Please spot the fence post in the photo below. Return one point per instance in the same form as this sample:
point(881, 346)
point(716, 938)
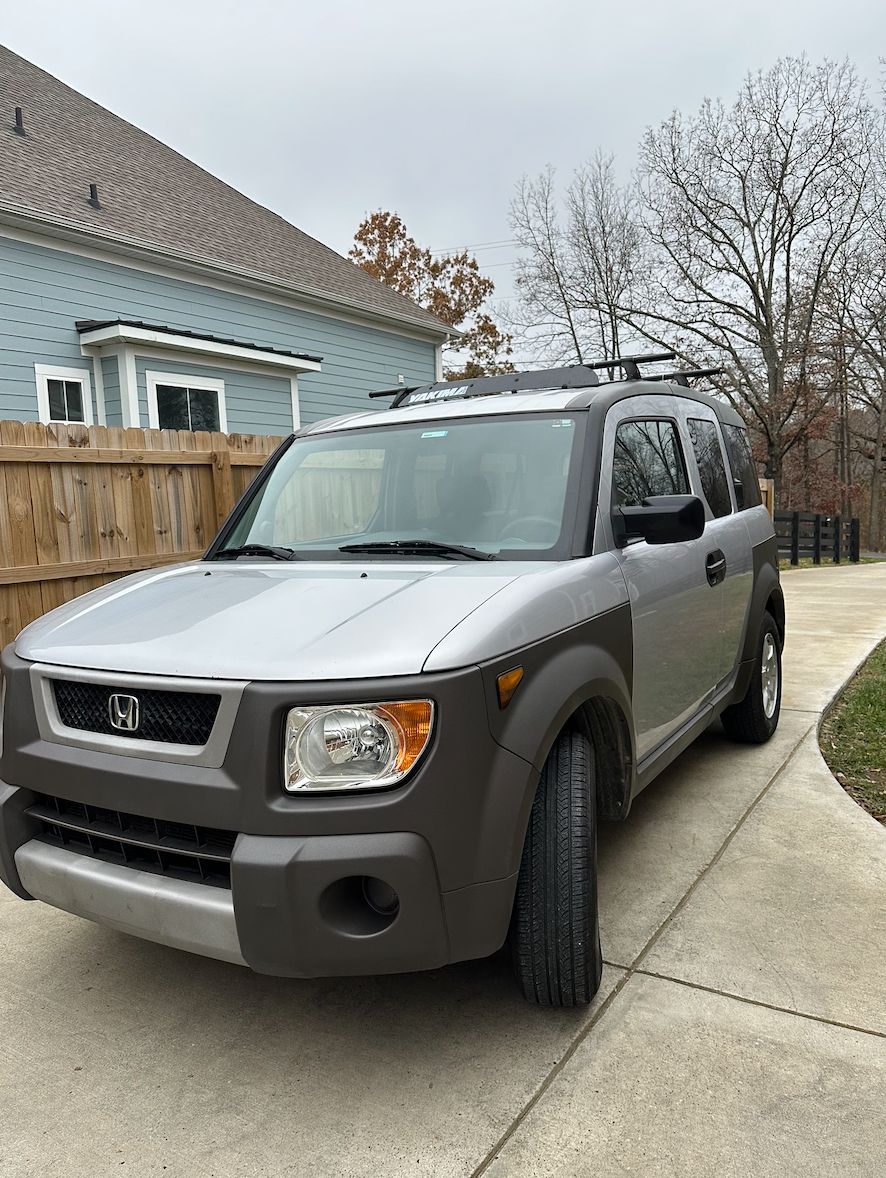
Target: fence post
point(222, 485)
point(816, 541)
point(855, 540)
point(838, 531)
point(795, 537)
point(767, 491)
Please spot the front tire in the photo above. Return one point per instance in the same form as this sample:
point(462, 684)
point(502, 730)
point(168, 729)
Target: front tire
point(555, 934)
point(755, 718)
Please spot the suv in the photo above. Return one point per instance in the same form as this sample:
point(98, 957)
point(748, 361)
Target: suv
point(507, 605)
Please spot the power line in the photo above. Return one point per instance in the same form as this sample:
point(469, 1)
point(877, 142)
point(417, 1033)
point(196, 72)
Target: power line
point(483, 245)
point(480, 245)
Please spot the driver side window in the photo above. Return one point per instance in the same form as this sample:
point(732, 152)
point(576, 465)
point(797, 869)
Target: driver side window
point(648, 460)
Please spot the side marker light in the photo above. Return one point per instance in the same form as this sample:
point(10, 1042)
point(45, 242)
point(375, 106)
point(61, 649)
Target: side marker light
point(507, 683)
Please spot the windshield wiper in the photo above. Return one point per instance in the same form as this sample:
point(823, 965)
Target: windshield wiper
point(255, 550)
point(419, 548)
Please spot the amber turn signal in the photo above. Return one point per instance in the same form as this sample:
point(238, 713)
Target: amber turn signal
point(507, 683)
point(412, 721)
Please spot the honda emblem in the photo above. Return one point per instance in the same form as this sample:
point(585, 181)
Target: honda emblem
point(123, 712)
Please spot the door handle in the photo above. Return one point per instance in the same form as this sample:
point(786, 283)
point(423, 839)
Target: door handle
point(715, 567)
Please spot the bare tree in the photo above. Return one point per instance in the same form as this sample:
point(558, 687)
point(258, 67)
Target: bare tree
point(866, 313)
point(747, 210)
point(576, 265)
point(855, 308)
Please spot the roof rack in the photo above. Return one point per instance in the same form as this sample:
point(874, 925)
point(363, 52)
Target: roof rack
point(684, 377)
point(576, 376)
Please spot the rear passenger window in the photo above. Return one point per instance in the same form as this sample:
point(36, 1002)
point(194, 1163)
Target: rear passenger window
point(744, 470)
point(709, 458)
point(647, 461)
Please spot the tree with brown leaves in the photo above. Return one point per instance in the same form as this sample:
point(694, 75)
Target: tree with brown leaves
point(449, 286)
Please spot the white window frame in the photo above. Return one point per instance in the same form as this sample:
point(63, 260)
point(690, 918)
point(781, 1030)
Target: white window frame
point(43, 373)
point(182, 380)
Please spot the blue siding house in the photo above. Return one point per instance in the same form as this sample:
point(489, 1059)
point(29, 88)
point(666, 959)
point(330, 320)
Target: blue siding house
point(139, 290)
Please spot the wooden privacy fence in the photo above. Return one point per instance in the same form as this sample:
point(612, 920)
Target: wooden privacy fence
point(81, 506)
point(821, 537)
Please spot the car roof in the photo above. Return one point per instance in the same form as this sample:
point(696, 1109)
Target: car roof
point(597, 397)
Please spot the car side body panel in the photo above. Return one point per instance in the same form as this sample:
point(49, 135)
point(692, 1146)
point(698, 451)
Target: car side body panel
point(726, 536)
point(677, 615)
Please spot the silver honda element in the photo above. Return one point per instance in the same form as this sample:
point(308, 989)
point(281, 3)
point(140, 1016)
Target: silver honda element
point(375, 727)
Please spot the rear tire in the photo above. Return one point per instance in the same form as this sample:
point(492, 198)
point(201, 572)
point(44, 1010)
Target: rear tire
point(555, 934)
point(755, 718)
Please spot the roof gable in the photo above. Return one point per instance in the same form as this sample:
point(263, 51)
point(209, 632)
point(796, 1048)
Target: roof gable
point(150, 195)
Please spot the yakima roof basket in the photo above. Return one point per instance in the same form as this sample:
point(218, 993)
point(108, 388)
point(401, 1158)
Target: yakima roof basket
point(576, 376)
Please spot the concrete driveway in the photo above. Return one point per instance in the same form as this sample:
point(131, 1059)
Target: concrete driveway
point(740, 1028)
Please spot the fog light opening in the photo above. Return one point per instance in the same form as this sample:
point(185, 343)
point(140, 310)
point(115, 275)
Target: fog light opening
point(359, 905)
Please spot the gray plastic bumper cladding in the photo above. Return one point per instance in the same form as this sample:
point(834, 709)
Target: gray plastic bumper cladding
point(448, 841)
point(300, 910)
point(172, 911)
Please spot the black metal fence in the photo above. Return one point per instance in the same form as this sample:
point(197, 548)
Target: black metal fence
point(829, 538)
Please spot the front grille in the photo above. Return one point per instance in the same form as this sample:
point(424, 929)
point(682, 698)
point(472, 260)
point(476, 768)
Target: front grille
point(170, 717)
point(179, 849)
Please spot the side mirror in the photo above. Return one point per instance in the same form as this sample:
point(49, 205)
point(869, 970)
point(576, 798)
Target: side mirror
point(660, 519)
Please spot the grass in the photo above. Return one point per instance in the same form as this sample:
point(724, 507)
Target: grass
point(853, 736)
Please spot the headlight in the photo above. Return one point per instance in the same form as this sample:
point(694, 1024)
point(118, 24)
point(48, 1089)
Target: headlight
point(354, 746)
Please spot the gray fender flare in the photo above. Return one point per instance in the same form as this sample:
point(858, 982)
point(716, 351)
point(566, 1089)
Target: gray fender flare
point(767, 592)
point(767, 587)
point(581, 678)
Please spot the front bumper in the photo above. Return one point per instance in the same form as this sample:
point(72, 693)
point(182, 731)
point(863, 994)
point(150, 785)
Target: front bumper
point(448, 841)
point(295, 908)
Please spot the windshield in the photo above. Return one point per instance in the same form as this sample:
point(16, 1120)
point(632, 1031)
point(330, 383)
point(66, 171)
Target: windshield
point(502, 485)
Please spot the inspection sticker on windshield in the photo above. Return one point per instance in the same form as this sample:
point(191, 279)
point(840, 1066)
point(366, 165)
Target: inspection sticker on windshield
point(435, 433)
point(563, 423)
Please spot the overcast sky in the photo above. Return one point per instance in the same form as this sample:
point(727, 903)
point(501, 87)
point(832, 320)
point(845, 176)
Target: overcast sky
point(328, 109)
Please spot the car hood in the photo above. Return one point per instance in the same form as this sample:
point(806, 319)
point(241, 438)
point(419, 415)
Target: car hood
point(255, 620)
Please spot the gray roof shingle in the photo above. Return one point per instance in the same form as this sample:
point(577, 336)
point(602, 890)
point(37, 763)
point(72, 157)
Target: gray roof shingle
point(153, 197)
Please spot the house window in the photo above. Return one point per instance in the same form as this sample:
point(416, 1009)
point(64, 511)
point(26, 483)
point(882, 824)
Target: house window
point(186, 402)
point(63, 395)
point(185, 408)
